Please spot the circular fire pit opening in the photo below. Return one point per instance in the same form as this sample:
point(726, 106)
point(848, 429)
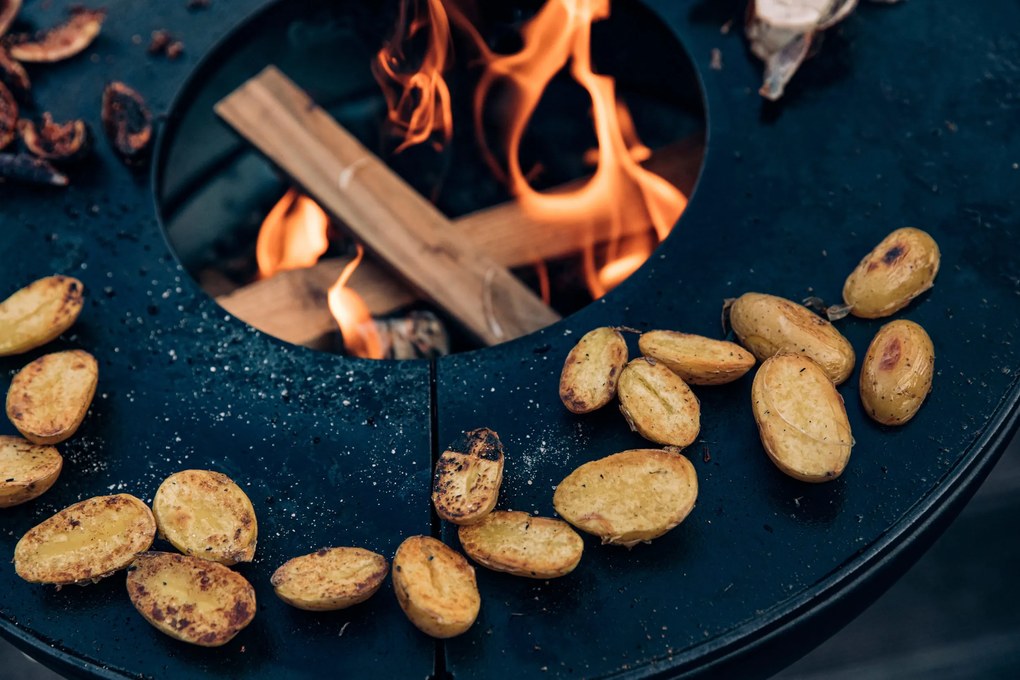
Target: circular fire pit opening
point(560, 140)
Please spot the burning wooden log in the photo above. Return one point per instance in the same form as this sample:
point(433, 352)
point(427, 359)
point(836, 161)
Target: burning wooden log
point(388, 216)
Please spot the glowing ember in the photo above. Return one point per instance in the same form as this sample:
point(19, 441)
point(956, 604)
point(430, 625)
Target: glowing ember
point(293, 235)
point(361, 337)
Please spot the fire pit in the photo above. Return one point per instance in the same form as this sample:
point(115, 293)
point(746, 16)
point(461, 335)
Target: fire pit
point(337, 450)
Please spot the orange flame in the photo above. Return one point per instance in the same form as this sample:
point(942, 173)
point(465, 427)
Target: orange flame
point(361, 337)
point(293, 235)
point(417, 98)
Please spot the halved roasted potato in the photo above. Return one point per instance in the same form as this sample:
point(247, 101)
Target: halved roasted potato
point(658, 404)
point(523, 545)
point(435, 587)
point(39, 313)
point(193, 600)
point(592, 369)
point(331, 578)
point(468, 476)
point(205, 514)
point(27, 470)
point(85, 541)
point(695, 358)
point(49, 398)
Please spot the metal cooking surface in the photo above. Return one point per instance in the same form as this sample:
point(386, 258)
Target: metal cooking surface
point(906, 118)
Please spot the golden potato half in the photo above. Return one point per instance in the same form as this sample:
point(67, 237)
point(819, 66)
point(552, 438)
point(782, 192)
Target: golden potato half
point(27, 470)
point(697, 359)
point(519, 544)
point(39, 313)
point(189, 599)
point(85, 541)
point(592, 369)
point(897, 270)
point(658, 404)
point(629, 497)
point(331, 578)
point(468, 475)
point(435, 587)
point(897, 372)
point(205, 514)
point(49, 397)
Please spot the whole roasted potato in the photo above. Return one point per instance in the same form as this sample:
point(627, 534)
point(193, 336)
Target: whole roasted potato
point(658, 404)
point(896, 271)
point(697, 359)
point(897, 372)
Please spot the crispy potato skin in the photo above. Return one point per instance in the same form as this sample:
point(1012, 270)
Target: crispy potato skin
point(592, 369)
point(85, 541)
point(658, 404)
point(60, 42)
point(897, 372)
point(39, 313)
point(49, 397)
point(696, 359)
point(769, 325)
point(468, 476)
point(27, 470)
point(629, 497)
point(801, 418)
point(205, 514)
point(523, 545)
point(896, 271)
point(331, 578)
point(189, 599)
point(435, 587)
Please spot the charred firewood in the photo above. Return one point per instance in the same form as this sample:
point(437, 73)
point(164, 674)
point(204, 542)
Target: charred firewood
point(60, 42)
point(51, 141)
point(127, 123)
point(8, 12)
point(13, 75)
point(24, 168)
point(8, 116)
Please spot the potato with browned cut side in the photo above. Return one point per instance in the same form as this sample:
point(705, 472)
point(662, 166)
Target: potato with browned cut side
point(896, 271)
point(468, 475)
point(189, 599)
point(697, 359)
point(331, 578)
point(27, 470)
point(435, 587)
point(49, 398)
point(592, 370)
point(85, 541)
point(658, 404)
point(897, 372)
point(629, 497)
point(205, 514)
point(523, 545)
point(39, 313)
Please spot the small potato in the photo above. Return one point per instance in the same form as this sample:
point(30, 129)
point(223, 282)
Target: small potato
point(189, 599)
point(629, 497)
point(658, 404)
point(331, 578)
point(769, 325)
point(49, 398)
point(517, 543)
point(697, 359)
point(590, 373)
point(205, 514)
point(801, 418)
point(897, 372)
point(27, 470)
point(899, 269)
point(468, 476)
point(85, 541)
point(435, 587)
point(38, 313)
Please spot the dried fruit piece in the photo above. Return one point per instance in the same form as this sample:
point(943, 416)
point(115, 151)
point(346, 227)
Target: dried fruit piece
point(14, 75)
point(85, 541)
point(38, 313)
point(468, 476)
point(8, 116)
point(8, 13)
point(801, 418)
point(54, 141)
point(49, 397)
point(127, 123)
point(895, 272)
point(658, 404)
point(435, 587)
point(769, 325)
point(205, 514)
point(60, 42)
point(523, 545)
point(27, 470)
point(22, 167)
point(331, 578)
point(696, 359)
point(629, 497)
point(189, 599)
point(897, 372)
point(592, 369)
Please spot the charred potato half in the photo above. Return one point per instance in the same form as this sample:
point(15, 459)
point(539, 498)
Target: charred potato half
point(468, 476)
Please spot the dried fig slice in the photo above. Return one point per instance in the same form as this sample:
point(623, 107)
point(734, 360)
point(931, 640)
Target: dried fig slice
point(60, 42)
point(24, 168)
point(127, 123)
point(8, 116)
point(55, 141)
point(8, 12)
point(13, 75)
